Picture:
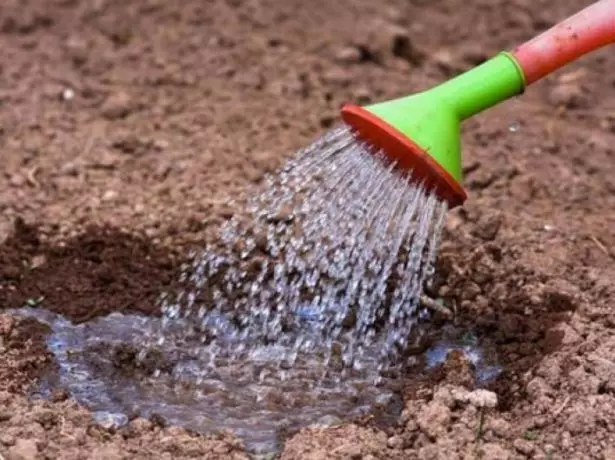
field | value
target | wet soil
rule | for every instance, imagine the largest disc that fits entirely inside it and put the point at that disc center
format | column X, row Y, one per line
column 126, row 124
column 100, row 271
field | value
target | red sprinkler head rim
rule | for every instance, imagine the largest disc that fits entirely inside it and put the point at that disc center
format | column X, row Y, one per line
column 408, row 155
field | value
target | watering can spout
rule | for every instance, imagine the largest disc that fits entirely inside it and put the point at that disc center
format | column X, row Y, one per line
column 421, row 132
column 428, row 123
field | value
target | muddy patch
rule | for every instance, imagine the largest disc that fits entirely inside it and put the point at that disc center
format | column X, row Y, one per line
column 101, row 270
column 25, row 356
column 103, row 362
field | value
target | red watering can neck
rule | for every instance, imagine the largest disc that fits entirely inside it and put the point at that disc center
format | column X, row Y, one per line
column 587, row 30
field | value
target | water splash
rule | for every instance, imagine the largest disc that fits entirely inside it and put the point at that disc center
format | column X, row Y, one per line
column 104, row 366
column 300, row 307
column 331, row 258
column 480, row 353
column 514, row 127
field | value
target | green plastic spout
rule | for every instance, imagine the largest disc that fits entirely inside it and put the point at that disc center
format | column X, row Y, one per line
column 432, row 119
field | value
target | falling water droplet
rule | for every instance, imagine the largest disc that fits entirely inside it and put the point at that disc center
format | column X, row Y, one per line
column 358, row 249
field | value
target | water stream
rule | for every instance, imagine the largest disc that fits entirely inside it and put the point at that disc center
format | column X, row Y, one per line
column 338, row 239
column 300, row 312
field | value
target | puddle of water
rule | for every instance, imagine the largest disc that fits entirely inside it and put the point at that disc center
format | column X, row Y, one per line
column 482, row 357
column 113, row 366
column 107, row 366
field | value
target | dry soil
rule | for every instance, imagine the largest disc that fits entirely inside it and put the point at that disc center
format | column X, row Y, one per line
column 124, row 125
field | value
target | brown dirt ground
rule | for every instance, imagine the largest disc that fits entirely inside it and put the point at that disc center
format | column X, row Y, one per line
column 125, row 124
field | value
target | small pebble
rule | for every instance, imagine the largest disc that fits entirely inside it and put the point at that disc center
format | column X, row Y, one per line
column 524, row 446
column 7, row 439
column 118, row 105
column 488, row 226
column 77, row 50
column 109, row 195
column 24, row 449
column 7, row 323
column 444, row 396
column 568, row 95
column 500, row 427
column 68, row 94
column 491, row 451
column 38, row 261
column 434, row 419
column 536, row 388
column 141, row 425
column 352, row 451
column 17, row 180
column 69, row 169
column 337, row 76
column 445, row 61
column 395, row 442
column 476, row 398
column 348, row 55
column 483, row 398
